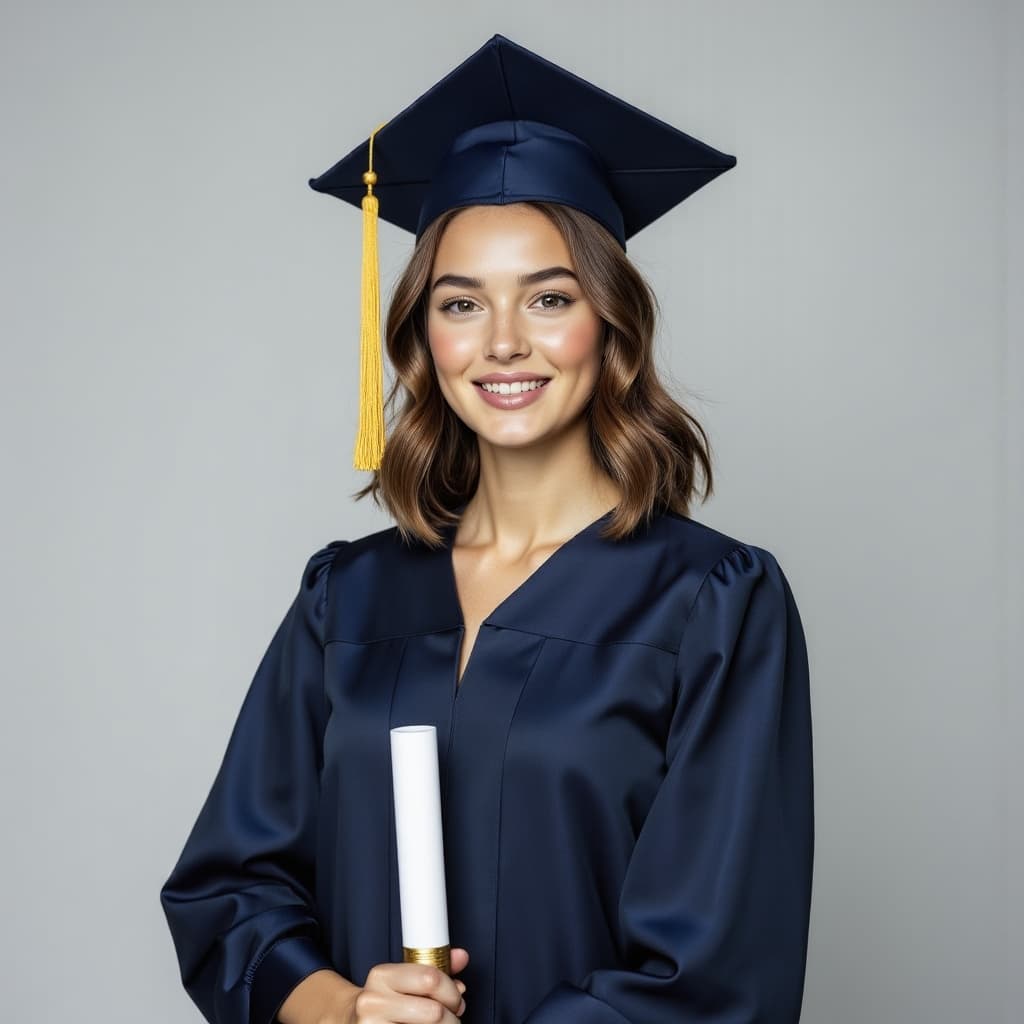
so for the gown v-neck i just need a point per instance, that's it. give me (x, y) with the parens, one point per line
(516, 591)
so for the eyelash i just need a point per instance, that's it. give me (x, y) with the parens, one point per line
(445, 307)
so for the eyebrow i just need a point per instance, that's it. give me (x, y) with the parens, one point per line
(461, 281)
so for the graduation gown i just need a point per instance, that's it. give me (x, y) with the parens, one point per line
(626, 779)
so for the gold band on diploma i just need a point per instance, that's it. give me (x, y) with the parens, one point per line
(438, 956)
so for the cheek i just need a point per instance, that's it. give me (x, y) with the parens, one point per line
(575, 345)
(451, 348)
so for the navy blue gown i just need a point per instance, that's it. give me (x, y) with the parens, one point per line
(626, 776)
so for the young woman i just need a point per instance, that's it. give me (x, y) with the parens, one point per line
(621, 693)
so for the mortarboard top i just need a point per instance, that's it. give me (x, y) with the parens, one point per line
(506, 126)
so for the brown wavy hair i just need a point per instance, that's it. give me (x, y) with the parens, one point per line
(647, 442)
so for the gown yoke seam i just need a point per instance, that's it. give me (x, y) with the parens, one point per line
(514, 629)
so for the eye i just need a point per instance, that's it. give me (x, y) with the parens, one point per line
(566, 300)
(446, 306)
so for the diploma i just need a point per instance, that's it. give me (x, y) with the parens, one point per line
(418, 831)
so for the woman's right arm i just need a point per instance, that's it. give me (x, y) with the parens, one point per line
(240, 900)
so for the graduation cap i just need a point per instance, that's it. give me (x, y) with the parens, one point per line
(506, 126)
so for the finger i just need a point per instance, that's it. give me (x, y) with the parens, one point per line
(418, 980)
(400, 1008)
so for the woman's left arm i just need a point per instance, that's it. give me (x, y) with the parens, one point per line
(715, 905)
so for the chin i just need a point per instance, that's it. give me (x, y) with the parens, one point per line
(517, 443)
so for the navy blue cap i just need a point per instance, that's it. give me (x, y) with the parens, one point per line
(506, 126)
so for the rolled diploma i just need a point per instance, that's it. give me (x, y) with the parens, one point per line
(420, 839)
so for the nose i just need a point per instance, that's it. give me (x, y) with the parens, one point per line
(505, 340)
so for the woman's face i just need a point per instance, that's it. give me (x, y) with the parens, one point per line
(505, 301)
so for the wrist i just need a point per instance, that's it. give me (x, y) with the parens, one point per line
(323, 997)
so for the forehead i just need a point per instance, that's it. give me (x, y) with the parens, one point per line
(500, 235)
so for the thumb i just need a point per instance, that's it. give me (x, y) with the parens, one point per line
(458, 958)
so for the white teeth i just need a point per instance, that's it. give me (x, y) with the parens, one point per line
(515, 388)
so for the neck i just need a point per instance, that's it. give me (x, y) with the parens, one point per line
(537, 495)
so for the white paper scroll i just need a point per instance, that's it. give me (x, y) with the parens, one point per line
(420, 838)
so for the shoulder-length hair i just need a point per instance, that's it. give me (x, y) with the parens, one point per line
(647, 442)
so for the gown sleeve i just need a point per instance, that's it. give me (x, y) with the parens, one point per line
(714, 909)
(239, 901)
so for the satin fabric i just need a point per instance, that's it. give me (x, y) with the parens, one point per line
(510, 161)
(626, 775)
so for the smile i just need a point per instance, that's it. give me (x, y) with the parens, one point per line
(511, 396)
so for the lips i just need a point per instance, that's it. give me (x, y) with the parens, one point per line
(512, 378)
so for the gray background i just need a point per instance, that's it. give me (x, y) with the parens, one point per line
(178, 392)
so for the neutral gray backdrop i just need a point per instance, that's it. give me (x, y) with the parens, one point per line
(180, 328)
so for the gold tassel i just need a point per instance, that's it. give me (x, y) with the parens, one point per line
(369, 449)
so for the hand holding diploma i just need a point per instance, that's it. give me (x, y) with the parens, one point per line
(396, 993)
